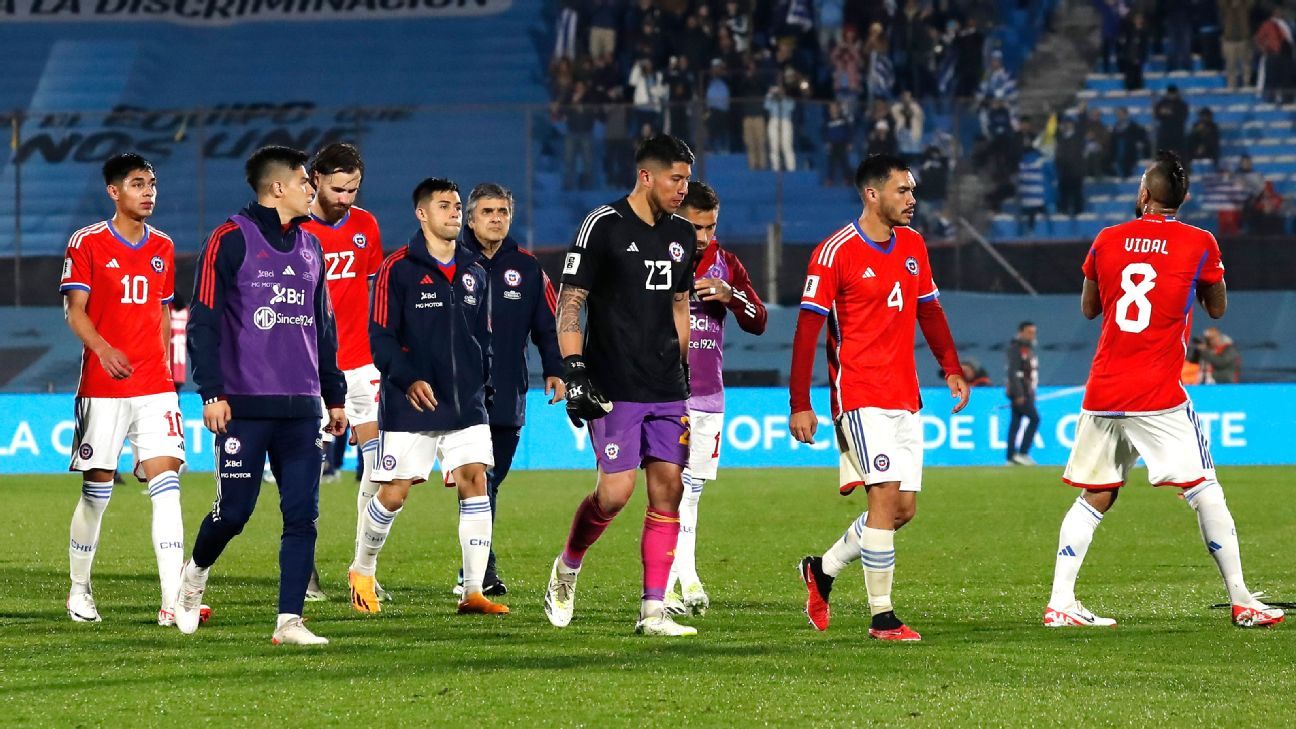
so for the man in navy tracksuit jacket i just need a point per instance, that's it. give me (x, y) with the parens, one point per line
(430, 331)
(522, 308)
(263, 345)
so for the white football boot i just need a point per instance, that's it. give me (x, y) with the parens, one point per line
(81, 607)
(560, 596)
(1074, 615)
(295, 632)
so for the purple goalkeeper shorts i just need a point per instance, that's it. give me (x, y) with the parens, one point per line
(637, 432)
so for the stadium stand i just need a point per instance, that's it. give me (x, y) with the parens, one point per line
(410, 113)
(1248, 125)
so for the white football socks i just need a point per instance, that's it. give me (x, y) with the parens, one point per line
(168, 533)
(1220, 536)
(367, 488)
(86, 519)
(877, 552)
(684, 568)
(377, 525)
(474, 540)
(846, 549)
(1077, 532)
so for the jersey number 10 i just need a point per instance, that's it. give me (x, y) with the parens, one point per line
(134, 289)
(1135, 298)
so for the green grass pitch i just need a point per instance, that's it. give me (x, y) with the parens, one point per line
(972, 576)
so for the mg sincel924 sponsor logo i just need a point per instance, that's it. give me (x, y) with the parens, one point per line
(266, 319)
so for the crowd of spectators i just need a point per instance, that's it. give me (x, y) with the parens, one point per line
(1251, 41)
(792, 84)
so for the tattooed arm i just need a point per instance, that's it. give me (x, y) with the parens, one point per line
(571, 299)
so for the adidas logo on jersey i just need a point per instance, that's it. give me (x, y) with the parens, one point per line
(427, 280)
(633, 248)
(1067, 551)
(868, 273)
(113, 264)
(288, 271)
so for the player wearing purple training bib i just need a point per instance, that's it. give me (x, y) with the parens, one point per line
(721, 286)
(630, 267)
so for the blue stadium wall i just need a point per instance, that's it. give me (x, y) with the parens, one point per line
(1246, 425)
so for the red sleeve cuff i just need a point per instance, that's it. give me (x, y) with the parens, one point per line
(809, 324)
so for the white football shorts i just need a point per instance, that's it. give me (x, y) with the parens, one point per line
(1172, 443)
(362, 395)
(706, 433)
(879, 446)
(413, 455)
(152, 423)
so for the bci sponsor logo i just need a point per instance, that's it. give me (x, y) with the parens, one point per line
(285, 295)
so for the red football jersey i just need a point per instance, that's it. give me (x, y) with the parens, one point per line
(870, 292)
(130, 287)
(1147, 271)
(352, 255)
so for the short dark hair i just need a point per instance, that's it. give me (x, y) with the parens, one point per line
(337, 157)
(488, 189)
(876, 169)
(1025, 324)
(1167, 180)
(665, 149)
(120, 165)
(431, 186)
(701, 197)
(264, 160)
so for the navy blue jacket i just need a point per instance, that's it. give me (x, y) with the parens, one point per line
(522, 306)
(219, 263)
(423, 326)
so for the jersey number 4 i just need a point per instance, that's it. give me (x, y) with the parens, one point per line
(659, 275)
(339, 265)
(895, 298)
(1135, 298)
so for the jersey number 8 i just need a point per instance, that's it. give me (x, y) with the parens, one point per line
(1135, 297)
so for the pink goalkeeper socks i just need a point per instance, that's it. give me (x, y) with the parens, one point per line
(660, 534)
(587, 526)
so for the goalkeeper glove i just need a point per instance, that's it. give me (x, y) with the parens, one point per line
(584, 402)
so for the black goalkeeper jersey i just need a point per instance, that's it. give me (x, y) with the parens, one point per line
(632, 271)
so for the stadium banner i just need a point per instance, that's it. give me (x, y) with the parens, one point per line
(1246, 425)
(220, 13)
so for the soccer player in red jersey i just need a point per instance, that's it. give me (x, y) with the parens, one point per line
(1143, 277)
(871, 282)
(352, 254)
(118, 280)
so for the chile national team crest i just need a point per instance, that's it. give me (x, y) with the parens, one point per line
(85, 451)
(911, 265)
(359, 240)
(612, 450)
(513, 278)
(307, 256)
(232, 446)
(469, 283)
(676, 251)
(882, 462)
(158, 264)
(389, 462)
